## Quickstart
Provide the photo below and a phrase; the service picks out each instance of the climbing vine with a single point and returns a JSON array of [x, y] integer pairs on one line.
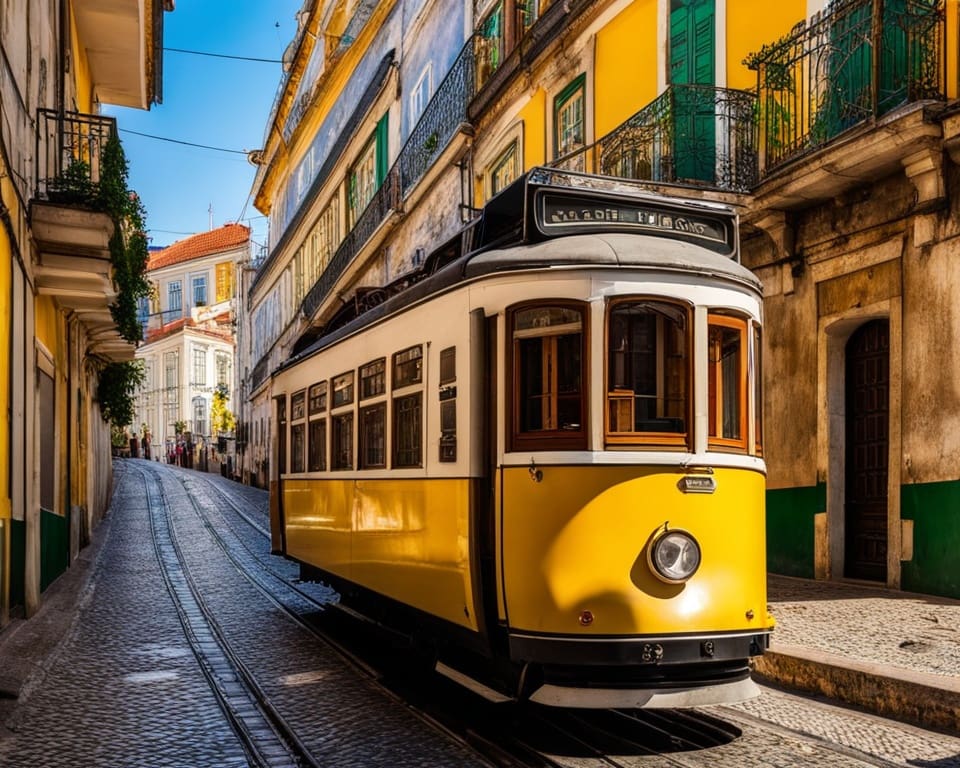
[[115, 391]]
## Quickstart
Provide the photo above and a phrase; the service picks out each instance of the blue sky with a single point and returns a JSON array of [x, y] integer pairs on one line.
[[213, 101]]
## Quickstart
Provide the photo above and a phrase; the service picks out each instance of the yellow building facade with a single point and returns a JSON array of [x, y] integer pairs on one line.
[[56, 328]]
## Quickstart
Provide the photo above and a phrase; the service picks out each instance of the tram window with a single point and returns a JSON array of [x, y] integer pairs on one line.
[[373, 436], [341, 446], [317, 398], [296, 448], [648, 373], [448, 404], [343, 389], [757, 373], [408, 367], [548, 377], [408, 430], [373, 378], [726, 381], [317, 446], [297, 401]]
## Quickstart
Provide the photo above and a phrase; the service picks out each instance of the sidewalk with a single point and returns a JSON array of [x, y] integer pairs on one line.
[[893, 653]]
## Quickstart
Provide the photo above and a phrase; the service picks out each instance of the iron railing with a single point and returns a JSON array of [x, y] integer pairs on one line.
[[69, 155], [384, 202], [444, 114], [690, 134], [854, 61]]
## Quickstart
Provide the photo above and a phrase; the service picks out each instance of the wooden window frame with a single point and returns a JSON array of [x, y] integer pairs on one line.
[[335, 420], [755, 369], [673, 440], [714, 380], [363, 436], [569, 92], [552, 440], [367, 376], [349, 388], [313, 466], [509, 156], [317, 398], [399, 380], [397, 432]]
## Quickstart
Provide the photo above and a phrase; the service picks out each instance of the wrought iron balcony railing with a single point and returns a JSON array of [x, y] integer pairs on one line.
[[690, 134], [384, 202], [69, 155], [443, 115], [856, 60]]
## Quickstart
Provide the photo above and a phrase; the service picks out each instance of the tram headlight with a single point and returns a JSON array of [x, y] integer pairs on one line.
[[674, 556]]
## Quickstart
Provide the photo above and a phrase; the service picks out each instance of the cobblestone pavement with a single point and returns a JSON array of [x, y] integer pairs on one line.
[[123, 688], [915, 632]]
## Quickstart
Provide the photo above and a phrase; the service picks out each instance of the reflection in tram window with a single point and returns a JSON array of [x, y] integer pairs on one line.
[[341, 446], [648, 371], [726, 381], [407, 430], [317, 445], [548, 361], [373, 436], [296, 448]]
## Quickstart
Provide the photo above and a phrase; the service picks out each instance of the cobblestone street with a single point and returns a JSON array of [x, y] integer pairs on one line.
[[129, 685]]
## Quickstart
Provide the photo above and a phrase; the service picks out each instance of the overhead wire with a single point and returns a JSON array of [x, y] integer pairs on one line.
[[224, 56]]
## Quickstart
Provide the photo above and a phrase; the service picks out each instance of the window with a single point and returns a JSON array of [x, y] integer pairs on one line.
[[341, 447], [296, 447], [373, 378], [199, 290], [200, 367], [726, 381], [224, 278], [548, 375], [505, 169], [297, 406], [343, 389], [282, 434], [317, 398], [490, 44], [527, 12], [648, 373], [367, 173], [408, 367], [199, 416], [318, 445], [373, 436], [448, 404], [143, 312], [224, 373], [174, 298], [569, 121], [171, 373], [420, 95], [408, 430], [756, 370]]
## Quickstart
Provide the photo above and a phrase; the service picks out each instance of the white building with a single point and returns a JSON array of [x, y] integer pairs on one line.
[[188, 349]]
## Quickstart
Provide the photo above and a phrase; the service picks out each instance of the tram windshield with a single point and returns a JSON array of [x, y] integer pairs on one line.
[[648, 375]]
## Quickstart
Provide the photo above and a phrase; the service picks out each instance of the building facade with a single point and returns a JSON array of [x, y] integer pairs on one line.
[[829, 126], [61, 61], [188, 346]]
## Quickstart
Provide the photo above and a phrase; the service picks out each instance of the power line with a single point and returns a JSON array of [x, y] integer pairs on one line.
[[224, 56], [186, 143]]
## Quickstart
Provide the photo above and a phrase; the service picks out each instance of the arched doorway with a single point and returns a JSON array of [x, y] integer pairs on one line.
[[867, 451]]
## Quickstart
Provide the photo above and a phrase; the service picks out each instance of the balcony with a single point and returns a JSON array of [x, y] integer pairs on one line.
[[70, 226], [847, 67], [694, 135]]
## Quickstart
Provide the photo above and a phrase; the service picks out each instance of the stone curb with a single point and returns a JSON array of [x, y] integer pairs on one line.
[[927, 700]]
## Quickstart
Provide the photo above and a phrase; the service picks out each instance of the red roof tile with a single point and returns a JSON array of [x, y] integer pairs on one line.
[[197, 246]]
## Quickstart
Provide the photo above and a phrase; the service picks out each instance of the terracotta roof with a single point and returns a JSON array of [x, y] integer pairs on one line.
[[197, 246]]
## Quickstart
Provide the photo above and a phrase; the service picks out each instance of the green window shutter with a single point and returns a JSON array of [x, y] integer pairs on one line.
[[692, 42], [382, 146], [692, 62]]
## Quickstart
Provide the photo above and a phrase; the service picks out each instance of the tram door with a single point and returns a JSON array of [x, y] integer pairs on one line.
[[867, 408]]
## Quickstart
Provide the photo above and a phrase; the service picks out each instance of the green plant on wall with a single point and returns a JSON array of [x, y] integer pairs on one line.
[[115, 392], [74, 185]]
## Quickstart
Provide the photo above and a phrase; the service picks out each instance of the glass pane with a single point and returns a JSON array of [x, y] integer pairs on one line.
[[373, 431], [343, 389], [647, 367], [373, 378], [408, 367], [725, 376], [318, 398], [407, 430], [296, 448], [318, 445], [341, 448]]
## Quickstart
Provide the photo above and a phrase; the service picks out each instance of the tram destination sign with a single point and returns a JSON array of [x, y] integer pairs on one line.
[[565, 214]]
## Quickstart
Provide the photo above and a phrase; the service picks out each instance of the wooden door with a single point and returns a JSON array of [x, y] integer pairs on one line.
[[867, 408], [692, 63]]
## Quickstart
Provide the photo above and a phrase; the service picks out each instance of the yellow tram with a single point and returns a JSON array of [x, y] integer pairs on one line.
[[542, 458]]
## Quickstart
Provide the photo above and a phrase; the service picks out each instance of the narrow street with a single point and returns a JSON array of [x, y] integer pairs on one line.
[[190, 645]]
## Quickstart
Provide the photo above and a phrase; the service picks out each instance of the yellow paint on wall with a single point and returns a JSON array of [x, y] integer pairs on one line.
[[749, 30], [952, 41], [625, 78], [6, 312], [80, 66], [46, 318], [534, 118]]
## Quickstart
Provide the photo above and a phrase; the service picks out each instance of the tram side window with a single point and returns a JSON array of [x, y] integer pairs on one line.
[[548, 377], [648, 372], [297, 431], [341, 424], [373, 436], [317, 429], [757, 373], [448, 404], [408, 408], [281, 434], [727, 382]]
